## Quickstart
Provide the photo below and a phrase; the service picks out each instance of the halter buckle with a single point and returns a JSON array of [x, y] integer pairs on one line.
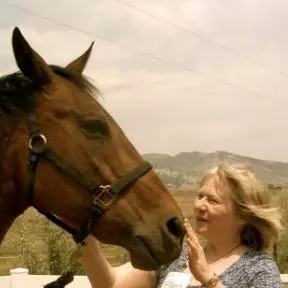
[[103, 197]]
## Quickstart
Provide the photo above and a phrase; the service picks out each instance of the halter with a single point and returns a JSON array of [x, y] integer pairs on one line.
[[102, 197]]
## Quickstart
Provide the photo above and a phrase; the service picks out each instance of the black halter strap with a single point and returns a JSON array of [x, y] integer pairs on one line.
[[102, 197]]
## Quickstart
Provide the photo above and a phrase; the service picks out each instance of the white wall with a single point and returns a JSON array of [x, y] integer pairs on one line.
[[21, 279], [38, 281]]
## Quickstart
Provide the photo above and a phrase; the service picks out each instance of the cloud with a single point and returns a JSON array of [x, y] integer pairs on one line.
[[174, 109]]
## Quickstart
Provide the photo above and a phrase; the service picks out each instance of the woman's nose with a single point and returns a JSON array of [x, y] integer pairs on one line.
[[200, 204]]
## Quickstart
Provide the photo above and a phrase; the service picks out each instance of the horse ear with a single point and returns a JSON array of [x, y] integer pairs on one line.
[[29, 61], [78, 65]]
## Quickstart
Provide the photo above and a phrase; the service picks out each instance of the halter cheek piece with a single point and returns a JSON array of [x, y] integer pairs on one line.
[[102, 197]]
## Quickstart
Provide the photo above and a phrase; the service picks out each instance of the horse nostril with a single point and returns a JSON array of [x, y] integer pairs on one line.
[[175, 227]]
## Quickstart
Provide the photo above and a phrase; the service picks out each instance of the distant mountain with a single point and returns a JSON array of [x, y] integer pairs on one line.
[[186, 168]]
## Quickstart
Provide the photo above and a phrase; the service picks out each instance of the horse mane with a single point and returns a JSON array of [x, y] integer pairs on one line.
[[16, 90]]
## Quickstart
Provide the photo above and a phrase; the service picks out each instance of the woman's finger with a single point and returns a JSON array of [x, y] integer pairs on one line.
[[192, 245], [190, 233]]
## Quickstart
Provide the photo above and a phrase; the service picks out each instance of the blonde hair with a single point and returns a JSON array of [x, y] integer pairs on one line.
[[252, 202]]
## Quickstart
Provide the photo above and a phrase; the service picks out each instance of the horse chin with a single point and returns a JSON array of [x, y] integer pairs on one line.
[[143, 260], [145, 256]]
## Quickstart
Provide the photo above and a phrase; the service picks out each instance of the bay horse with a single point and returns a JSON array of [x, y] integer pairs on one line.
[[62, 153]]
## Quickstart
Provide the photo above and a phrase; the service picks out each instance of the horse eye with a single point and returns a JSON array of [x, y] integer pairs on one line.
[[95, 127]]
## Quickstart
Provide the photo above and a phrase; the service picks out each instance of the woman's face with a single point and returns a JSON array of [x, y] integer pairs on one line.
[[215, 213]]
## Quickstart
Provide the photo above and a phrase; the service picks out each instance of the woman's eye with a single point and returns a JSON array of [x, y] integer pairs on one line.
[[213, 200], [96, 127]]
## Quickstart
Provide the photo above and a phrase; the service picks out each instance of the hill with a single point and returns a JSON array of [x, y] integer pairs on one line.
[[186, 168]]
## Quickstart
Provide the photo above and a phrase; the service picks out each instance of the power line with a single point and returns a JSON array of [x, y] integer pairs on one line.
[[198, 35], [146, 54]]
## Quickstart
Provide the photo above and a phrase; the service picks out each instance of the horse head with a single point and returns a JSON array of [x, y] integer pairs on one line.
[[83, 173]]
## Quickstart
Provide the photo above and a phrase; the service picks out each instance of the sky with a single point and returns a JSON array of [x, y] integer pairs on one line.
[[177, 75]]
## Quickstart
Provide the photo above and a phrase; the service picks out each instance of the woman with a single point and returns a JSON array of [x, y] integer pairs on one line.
[[236, 219]]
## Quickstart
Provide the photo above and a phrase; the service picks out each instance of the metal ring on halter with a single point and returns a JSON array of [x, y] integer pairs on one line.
[[37, 137]]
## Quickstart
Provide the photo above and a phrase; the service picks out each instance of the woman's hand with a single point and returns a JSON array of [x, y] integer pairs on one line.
[[197, 260]]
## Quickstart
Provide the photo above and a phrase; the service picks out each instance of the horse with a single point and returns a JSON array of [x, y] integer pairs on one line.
[[63, 154]]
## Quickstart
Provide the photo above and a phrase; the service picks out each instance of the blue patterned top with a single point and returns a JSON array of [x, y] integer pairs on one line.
[[252, 270]]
